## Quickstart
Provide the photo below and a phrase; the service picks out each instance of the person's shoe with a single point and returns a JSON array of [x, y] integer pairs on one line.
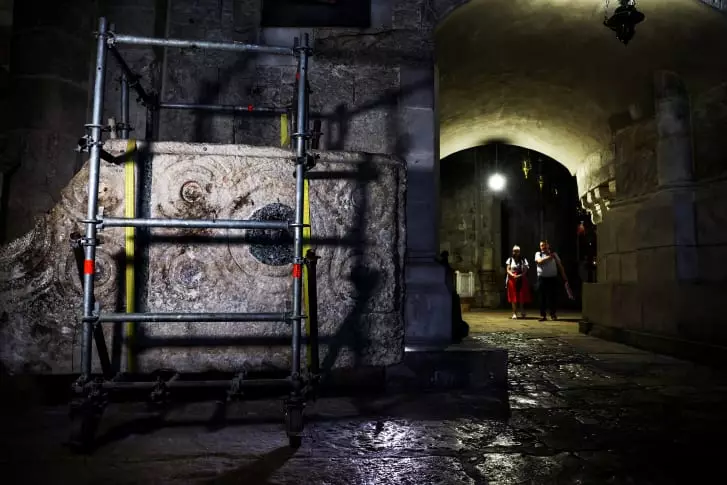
[[542, 319], [514, 316], [554, 317]]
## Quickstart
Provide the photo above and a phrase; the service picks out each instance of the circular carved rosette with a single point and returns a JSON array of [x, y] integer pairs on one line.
[[190, 187], [110, 192], [190, 273], [24, 266]]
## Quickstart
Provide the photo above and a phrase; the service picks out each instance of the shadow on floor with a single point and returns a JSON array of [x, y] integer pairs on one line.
[[489, 405], [258, 472]]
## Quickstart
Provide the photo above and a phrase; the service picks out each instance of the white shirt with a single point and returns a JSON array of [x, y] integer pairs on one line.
[[549, 269], [512, 265]]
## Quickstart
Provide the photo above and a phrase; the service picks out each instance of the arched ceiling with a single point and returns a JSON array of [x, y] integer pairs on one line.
[[547, 75]]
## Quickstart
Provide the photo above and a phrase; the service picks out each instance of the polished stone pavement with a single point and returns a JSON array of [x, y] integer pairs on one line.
[[578, 411]]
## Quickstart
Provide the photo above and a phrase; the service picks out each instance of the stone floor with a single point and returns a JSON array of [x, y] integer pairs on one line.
[[578, 411]]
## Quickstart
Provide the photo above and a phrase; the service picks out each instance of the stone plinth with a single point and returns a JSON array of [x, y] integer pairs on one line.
[[357, 217]]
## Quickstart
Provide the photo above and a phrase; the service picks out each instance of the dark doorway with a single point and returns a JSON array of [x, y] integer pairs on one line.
[[479, 226]]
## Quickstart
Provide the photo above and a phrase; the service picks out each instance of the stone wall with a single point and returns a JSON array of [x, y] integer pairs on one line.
[[661, 243], [354, 75], [709, 118], [470, 228], [358, 229], [6, 29], [49, 59], [373, 90]]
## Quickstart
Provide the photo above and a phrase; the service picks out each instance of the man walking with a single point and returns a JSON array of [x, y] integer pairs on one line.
[[549, 266]]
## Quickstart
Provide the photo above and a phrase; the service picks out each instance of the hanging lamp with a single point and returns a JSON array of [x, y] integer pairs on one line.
[[624, 20]]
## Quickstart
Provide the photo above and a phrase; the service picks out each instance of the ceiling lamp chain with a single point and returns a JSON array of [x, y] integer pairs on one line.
[[527, 166], [624, 20]]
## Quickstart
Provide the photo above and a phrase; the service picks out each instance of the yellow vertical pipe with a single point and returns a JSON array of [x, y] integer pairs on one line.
[[129, 246], [306, 247]]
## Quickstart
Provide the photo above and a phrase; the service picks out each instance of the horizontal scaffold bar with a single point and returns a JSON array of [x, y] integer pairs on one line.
[[193, 223], [193, 317], [120, 385], [249, 108], [199, 44]]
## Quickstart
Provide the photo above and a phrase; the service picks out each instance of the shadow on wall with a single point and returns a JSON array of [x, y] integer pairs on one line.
[[365, 280], [209, 94], [337, 121]]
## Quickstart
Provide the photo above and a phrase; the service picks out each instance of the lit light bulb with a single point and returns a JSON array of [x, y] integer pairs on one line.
[[496, 182]]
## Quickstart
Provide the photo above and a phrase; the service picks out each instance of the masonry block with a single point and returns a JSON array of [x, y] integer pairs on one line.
[[357, 217]]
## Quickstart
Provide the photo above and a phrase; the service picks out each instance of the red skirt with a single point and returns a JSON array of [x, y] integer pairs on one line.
[[515, 296]]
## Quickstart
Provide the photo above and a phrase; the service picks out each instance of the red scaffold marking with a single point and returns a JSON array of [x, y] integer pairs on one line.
[[249, 107], [88, 266], [297, 76], [297, 270]]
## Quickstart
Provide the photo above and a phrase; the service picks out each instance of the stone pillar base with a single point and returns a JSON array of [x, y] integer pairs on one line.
[[428, 304], [668, 310]]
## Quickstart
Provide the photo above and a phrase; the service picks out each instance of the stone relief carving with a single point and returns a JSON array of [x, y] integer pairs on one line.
[[357, 218]]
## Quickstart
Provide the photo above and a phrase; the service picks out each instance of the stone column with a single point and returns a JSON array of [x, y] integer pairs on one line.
[[674, 147], [428, 305], [675, 167], [6, 28], [50, 56]]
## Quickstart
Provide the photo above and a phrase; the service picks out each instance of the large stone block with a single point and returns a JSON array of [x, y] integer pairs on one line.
[[358, 230], [608, 235], [636, 159], [629, 267], [680, 312], [656, 265], [625, 227], [610, 268], [655, 223], [709, 115], [626, 306], [711, 216], [711, 266], [597, 303]]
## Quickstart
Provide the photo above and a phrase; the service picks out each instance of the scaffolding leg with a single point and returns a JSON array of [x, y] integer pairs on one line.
[[295, 403], [125, 127], [311, 260], [88, 411]]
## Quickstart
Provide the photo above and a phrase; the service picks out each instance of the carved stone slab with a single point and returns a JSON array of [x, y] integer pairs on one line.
[[358, 230]]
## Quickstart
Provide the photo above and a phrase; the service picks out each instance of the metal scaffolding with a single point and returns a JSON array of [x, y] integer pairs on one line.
[[92, 391]]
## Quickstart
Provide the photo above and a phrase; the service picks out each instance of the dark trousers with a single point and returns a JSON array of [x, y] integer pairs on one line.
[[548, 289]]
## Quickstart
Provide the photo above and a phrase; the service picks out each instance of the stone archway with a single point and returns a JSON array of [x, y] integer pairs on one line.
[[636, 125], [549, 76]]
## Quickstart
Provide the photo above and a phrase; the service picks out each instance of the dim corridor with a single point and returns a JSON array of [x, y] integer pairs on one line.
[[578, 410]]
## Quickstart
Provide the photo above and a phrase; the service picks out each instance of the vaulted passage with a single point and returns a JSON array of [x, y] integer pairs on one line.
[[547, 75], [640, 126]]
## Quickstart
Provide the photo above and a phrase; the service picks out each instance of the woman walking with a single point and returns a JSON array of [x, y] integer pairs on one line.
[[518, 289]]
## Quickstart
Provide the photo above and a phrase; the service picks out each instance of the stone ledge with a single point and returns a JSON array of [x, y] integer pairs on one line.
[[712, 355], [452, 368]]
